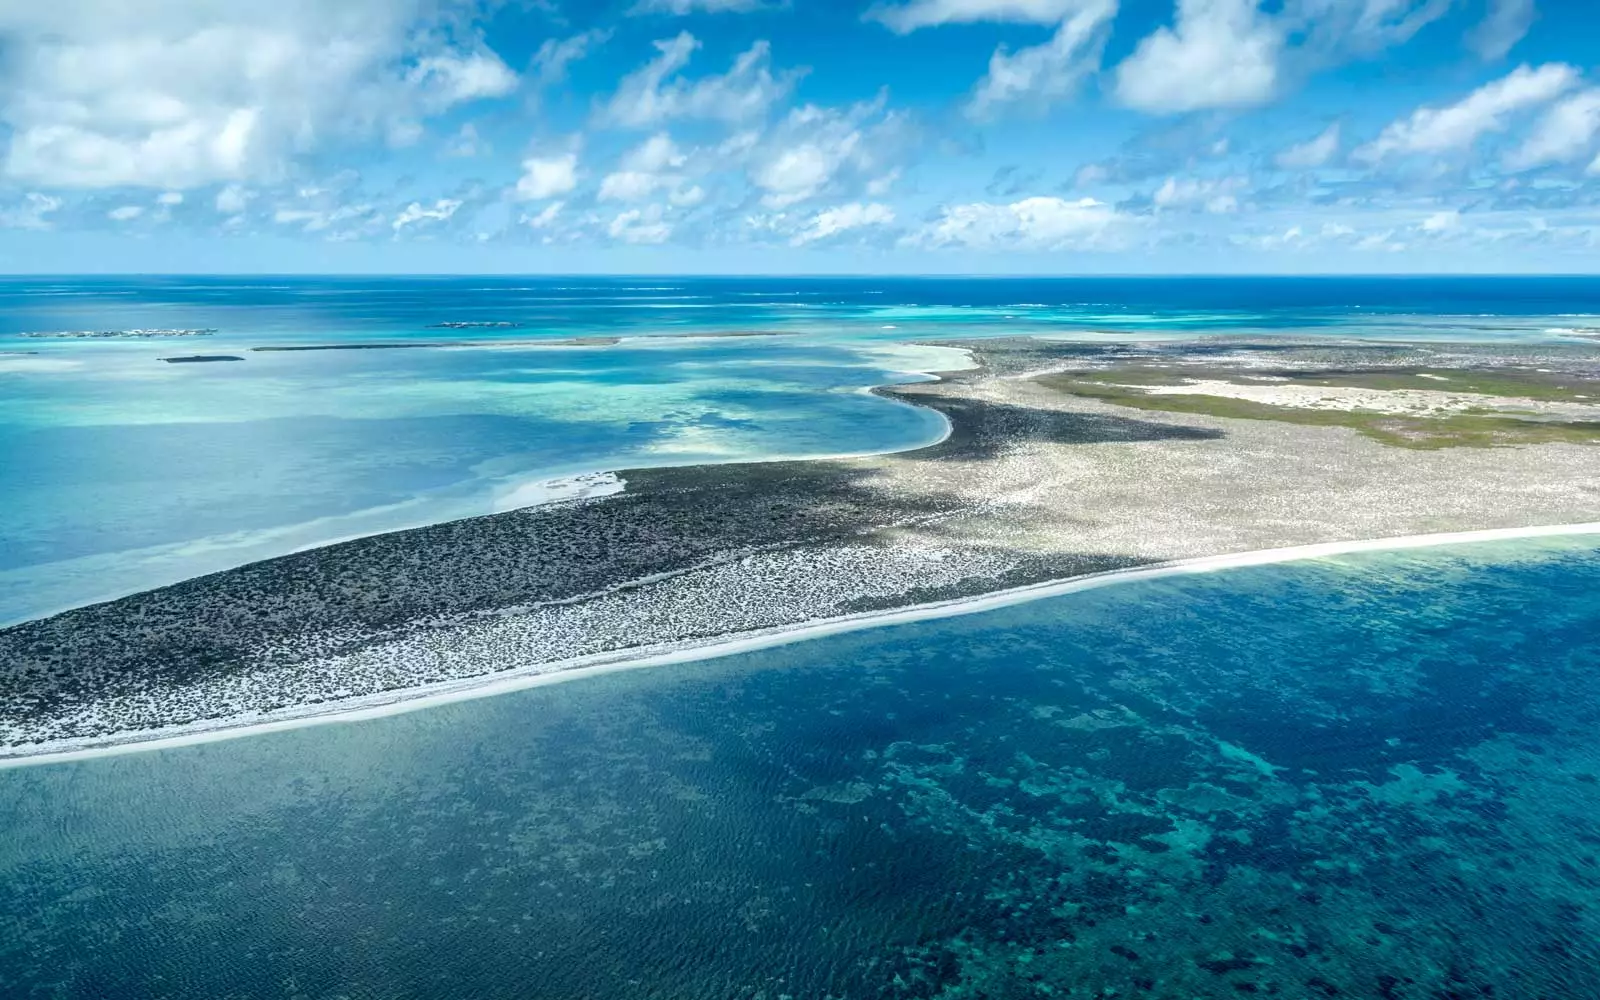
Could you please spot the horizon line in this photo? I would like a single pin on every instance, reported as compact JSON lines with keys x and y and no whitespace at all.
{"x":1075,"y":276}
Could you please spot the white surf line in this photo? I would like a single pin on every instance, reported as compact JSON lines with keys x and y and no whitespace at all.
{"x":638,"y":658}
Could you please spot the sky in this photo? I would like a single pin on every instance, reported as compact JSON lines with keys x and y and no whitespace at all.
{"x":806,"y":136}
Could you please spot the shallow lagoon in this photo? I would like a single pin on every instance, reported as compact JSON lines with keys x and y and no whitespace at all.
{"x":120,"y":472}
{"x":1370,"y":776}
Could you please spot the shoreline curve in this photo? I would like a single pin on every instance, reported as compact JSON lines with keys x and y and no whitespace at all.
{"x":561,"y":671}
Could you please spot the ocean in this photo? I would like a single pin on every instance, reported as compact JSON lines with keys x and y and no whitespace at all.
{"x":121,"y":471}
{"x":1367,"y":776}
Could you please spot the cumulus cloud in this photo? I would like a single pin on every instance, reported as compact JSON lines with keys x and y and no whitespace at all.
{"x":1041,"y":223}
{"x":908,"y":17}
{"x":831,"y":222}
{"x":1044,"y":73}
{"x":547,"y":176}
{"x":817,"y":150}
{"x":640,"y":225}
{"x":1218,"y":54}
{"x":125,"y":213}
{"x":182,"y":93}
{"x":1312,"y":153}
{"x":1233,"y":53}
{"x":1506,"y":24}
{"x":656,"y":92}
{"x":1441,"y":222}
{"x":1459,"y":126}
{"x":651,"y":166}
{"x":1565,"y":133}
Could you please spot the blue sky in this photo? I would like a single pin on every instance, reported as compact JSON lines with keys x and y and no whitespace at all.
{"x":963,"y":136}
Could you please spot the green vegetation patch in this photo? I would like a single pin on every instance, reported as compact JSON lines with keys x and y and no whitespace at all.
{"x":1453,"y":430}
{"x":1549,"y":387}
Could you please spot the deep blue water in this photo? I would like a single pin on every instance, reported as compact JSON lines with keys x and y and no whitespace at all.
{"x":119,"y":471}
{"x":295,"y":307}
{"x":1371,"y":777}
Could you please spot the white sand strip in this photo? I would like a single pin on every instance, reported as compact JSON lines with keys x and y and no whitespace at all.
{"x":543,"y":491}
{"x":467,"y":689}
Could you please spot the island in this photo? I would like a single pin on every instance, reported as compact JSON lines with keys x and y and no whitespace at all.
{"x":1064,"y":461}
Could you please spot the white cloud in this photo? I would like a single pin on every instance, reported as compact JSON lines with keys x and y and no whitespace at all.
{"x":688,"y":197}
{"x":446,"y":80}
{"x":170,"y":198}
{"x":1334,"y":29}
{"x":1383,"y":242}
{"x":547,"y":176}
{"x":547,"y":217}
{"x":466,"y":143}
{"x":880,"y":186}
{"x":415,"y":213}
{"x":1458,"y":126}
{"x":1220,"y":53}
{"x":651,"y":166}
{"x":1214,"y":196}
{"x":656,"y":93}
{"x":174,"y":94}
{"x":682,"y":8}
{"x":1311,"y":153}
{"x":816,"y":150}
{"x":1030,"y":224}
{"x":640,"y":225}
{"x":1090,"y":174}
{"x":125,"y":213}
{"x":30,"y":214}
{"x":1506,"y":24}
{"x":551,"y":62}
{"x":233,"y":199}
{"x":320,"y":211}
{"x":799,"y":172}
{"x":844,"y":218}
{"x":1565,"y":133}
{"x":629,"y":185}
{"x":1047,"y":72}
{"x":655,"y":154}
{"x":1442,"y":222}
{"x":908,"y":17}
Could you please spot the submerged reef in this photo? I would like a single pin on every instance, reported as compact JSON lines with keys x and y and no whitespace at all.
{"x":1035,"y":482}
{"x":141,"y":334}
{"x":1372,"y":777}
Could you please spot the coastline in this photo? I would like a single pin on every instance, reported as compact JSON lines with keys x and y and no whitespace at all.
{"x":1031,"y":485}
{"x":402,"y":702}
{"x":455,"y":502}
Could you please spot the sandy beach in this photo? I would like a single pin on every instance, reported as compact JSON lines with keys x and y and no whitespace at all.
{"x":1043,"y":485}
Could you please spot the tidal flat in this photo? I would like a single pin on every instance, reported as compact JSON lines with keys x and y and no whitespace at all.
{"x":1042,"y":477}
{"x":1370,"y":777}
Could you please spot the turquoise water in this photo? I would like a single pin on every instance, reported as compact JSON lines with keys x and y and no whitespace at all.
{"x":120,"y":472}
{"x":1371,"y":776}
